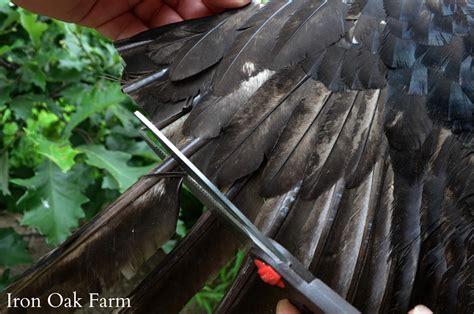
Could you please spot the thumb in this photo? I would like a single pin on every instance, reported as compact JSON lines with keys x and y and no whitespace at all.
{"x":285,"y":307}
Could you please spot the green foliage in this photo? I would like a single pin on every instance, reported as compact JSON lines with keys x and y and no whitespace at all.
{"x":68,"y":142}
{"x":53,"y":200}
{"x":115,"y":163}
{"x":4,"y":176}
{"x":4,"y":279}
{"x":62,"y":154}
{"x":13,"y":249}
{"x":34,"y":28}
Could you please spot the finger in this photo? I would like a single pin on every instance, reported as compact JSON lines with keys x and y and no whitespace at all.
{"x":420,"y":309}
{"x":69,"y":11}
{"x":285,"y":307}
{"x":219,"y":5}
{"x":106,"y":10}
{"x":165,"y":15}
{"x":146,"y":10}
{"x":191,"y":9}
{"x":123,"y":26}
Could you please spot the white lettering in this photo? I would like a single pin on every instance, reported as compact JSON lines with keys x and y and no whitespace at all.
{"x":55,"y":304}
{"x":92,"y":299}
{"x":96,"y":301}
{"x":76,"y":300}
{"x":23,"y":302}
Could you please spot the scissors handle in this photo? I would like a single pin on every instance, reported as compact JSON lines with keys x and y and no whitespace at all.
{"x":304,"y":289}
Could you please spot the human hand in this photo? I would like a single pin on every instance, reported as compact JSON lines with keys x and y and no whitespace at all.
{"x":119,"y":19}
{"x":285,"y":307}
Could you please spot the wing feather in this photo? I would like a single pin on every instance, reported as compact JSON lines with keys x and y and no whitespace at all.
{"x":114,"y":244}
{"x":363,"y":109}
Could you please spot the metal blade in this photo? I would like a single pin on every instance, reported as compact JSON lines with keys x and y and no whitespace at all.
{"x":221,"y":204}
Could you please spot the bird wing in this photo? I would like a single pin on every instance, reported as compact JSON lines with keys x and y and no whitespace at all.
{"x":344,"y":129}
{"x":364,"y":107}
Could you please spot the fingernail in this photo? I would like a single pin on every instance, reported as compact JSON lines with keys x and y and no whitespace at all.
{"x":282,"y":306}
{"x":421,"y":309}
{"x":285,"y":307}
{"x":240,"y":2}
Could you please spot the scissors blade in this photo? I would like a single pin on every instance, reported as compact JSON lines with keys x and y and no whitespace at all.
{"x":221,"y":203}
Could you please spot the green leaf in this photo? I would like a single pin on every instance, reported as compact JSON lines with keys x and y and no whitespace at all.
{"x":44,"y":121}
{"x":74,"y":64}
{"x":9,"y":132}
{"x":53,"y":202}
{"x":136,"y":148}
{"x":62,"y":154}
{"x":12,"y":16}
{"x":5,"y":117}
{"x":92,"y":101}
{"x":22,"y":106}
{"x":13,"y":249}
{"x":4,"y":3}
{"x":5,"y":96}
{"x":83,"y":176}
{"x":5,"y":279}
{"x":31,"y":24}
{"x":108,"y":182}
{"x":4,"y":173}
{"x":169,"y":246}
{"x":114,"y":163}
{"x":34,"y":74}
{"x":181,"y":229}
{"x":128,"y":120}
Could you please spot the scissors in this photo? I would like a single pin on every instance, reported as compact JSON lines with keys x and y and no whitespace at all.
{"x":276,"y":265}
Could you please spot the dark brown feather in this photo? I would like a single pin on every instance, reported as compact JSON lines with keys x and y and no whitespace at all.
{"x":114,"y":244}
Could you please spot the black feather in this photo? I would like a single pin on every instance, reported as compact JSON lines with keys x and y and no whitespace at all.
{"x":240,"y":151}
{"x":247,"y":55}
{"x":209,"y":118}
{"x":313,"y":26}
{"x":210,"y":47}
{"x":333,"y":144}
{"x":287,"y":164}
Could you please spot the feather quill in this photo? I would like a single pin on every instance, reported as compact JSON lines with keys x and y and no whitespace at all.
{"x":210,"y":47}
{"x":240,"y":151}
{"x":313,"y":26}
{"x":247,"y":55}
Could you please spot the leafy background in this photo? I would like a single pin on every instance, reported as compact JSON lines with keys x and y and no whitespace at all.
{"x":68,"y":143}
